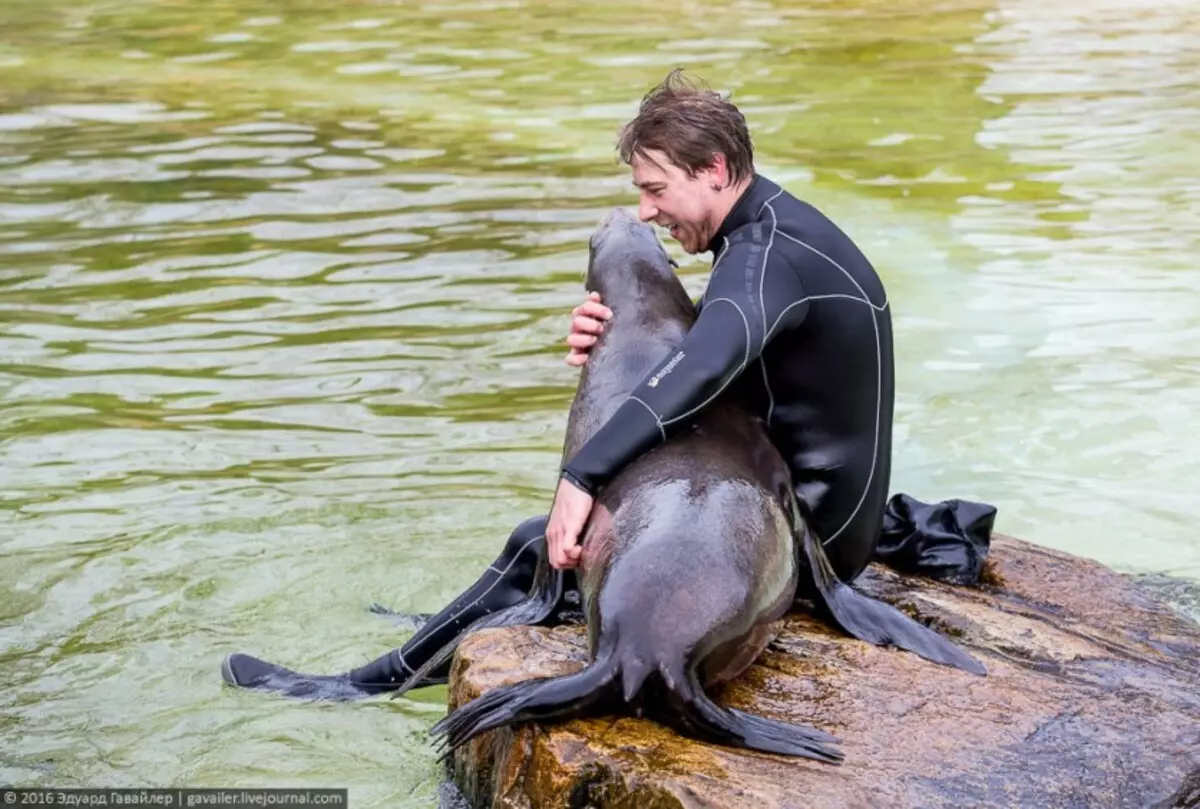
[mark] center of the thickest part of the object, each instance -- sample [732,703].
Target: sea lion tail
[539,700]
[694,714]
[876,622]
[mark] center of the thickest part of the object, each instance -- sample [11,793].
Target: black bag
[947,541]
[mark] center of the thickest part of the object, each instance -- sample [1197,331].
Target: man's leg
[506,581]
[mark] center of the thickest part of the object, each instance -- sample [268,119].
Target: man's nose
[646,209]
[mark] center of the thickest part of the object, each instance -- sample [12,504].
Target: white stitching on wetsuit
[762,277]
[878,380]
[717,260]
[865,297]
[657,420]
[772,198]
[767,385]
[733,376]
[833,295]
[457,615]
[786,309]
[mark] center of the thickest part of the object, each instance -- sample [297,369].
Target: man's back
[823,381]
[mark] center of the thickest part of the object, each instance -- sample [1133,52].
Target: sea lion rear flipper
[876,622]
[539,699]
[697,715]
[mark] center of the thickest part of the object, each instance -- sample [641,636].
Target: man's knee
[519,559]
[526,544]
[526,538]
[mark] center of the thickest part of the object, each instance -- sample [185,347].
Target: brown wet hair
[690,124]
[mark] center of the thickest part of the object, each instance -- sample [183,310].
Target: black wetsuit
[796,320]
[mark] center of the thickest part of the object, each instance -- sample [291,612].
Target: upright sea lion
[688,558]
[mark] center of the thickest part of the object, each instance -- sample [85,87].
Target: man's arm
[750,298]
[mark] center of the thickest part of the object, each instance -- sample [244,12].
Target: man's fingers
[586,325]
[562,558]
[595,310]
[576,359]
[557,557]
[582,341]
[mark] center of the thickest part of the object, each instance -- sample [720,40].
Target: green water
[283,289]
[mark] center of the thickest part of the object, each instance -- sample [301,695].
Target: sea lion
[688,557]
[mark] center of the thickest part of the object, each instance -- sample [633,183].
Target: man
[794,319]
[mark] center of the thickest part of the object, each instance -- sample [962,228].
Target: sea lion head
[627,258]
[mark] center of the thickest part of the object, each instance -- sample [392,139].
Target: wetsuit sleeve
[750,298]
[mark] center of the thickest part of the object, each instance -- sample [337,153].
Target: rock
[1092,699]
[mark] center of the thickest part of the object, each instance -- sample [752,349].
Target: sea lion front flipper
[406,621]
[876,622]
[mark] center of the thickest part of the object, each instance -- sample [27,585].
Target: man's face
[669,198]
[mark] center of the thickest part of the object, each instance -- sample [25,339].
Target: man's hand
[567,518]
[587,323]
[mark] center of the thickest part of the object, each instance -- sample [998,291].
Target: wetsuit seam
[733,376]
[807,298]
[865,297]
[724,251]
[791,306]
[878,418]
[770,396]
[791,264]
[657,418]
[766,333]
[769,200]
[762,278]
[879,385]
[878,381]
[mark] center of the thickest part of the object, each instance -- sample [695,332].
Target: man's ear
[716,173]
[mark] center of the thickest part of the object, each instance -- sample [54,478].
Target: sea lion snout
[626,253]
[618,216]
[621,228]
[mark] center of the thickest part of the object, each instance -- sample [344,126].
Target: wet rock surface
[1092,699]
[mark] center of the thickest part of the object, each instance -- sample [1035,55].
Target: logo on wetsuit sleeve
[668,368]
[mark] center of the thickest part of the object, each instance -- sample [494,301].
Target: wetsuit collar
[744,211]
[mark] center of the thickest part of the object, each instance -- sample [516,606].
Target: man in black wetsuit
[794,317]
